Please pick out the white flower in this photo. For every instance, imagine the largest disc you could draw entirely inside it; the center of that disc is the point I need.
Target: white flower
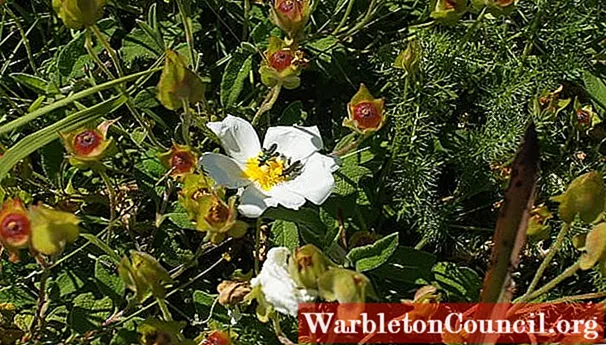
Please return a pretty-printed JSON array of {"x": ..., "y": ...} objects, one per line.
[
  {"x": 279, "y": 289},
  {"x": 286, "y": 170}
]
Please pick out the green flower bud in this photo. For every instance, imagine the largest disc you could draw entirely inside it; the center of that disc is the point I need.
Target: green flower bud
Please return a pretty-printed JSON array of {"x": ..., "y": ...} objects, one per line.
[
  {"x": 281, "y": 65},
  {"x": 144, "y": 275},
  {"x": 548, "y": 104},
  {"x": 307, "y": 265},
  {"x": 409, "y": 58},
  {"x": 595, "y": 249},
  {"x": 157, "y": 332},
  {"x": 537, "y": 227},
  {"x": 218, "y": 219},
  {"x": 52, "y": 230},
  {"x": 585, "y": 196},
  {"x": 344, "y": 286},
  {"x": 178, "y": 84},
  {"x": 88, "y": 146},
  {"x": 291, "y": 15},
  {"x": 77, "y": 14},
  {"x": 585, "y": 117},
  {"x": 447, "y": 11},
  {"x": 366, "y": 113}
]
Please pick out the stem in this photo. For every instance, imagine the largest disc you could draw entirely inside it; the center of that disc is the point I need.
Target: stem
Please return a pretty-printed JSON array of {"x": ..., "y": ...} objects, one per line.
[
  {"x": 164, "y": 309},
  {"x": 28, "y": 49},
  {"x": 268, "y": 103},
  {"x": 112, "y": 202},
  {"x": 186, "y": 122},
  {"x": 189, "y": 36},
  {"x": 88, "y": 44},
  {"x": 570, "y": 271},
  {"x": 345, "y": 16},
  {"x": 246, "y": 19},
  {"x": 38, "y": 322},
  {"x": 258, "y": 247},
  {"x": 112, "y": 53},
  {"x": 550, "y": 255}
]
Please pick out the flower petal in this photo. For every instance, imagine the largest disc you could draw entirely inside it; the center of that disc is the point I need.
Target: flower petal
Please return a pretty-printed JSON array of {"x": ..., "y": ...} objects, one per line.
[
  {"x": 296, "y": 143},
  {"x": 224, "y": 170},
  {"x": 286, "y": 197},
  {"x": 253, "y": 202},
  {"x": 238, "y": 138},
  {"x": 315, "y": 182}
]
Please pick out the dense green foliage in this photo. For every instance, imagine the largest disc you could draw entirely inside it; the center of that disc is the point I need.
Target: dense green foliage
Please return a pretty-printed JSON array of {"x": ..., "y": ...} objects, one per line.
[{"x": 425, "y": 189}]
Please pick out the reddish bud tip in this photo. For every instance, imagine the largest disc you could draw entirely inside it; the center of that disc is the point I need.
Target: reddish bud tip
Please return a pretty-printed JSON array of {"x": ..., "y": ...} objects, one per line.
[
  {"x": 217, "y": 338},
  {"x": 182, "y": 162},
  {"x": 87, "y": 141},
  {"x": 286, "y": 7},
  {"x": 583, "y": 117},
  {"x": 281, "y": 60},
  {"x": 15, "y": 226},
  {"x": 367, "y": 115}
]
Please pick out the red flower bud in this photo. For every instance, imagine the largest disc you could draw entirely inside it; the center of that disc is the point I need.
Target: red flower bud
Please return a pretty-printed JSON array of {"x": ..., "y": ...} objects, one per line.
[
  {"x": 281, "y": 60},
  {"x": 180, "y": 159},
  {"x": 15, "y": 226},
  {"x": 365, "y": 112},
  {"x": 217, "y": 338},
  {"x": 87, "y": 141},
  {"x": 367, "y": 115}
]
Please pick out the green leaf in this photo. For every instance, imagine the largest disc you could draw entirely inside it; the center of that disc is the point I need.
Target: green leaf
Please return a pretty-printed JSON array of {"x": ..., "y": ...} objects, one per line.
[
  {"x": 73, "y": 57},
  {"x": 17, "y": 295},
  {"x": 68, "y": 283},
  {"x": 372, "y": 256},
  {"x": 285, "y": 234},
  {"x": 104, "y": 247},
  {"x": 50, "y": 133},
  {"x": 108, "y": 281},
  {"x": 23, "y": 120},
  {"x": 36, "y": 84},
  {"x": 407, "y": 265},
  {"x": 310, "y": 225},
  {"x": 293, "y": 114},
  {"x": 351, "y": 172},
  {"x": 51, "y": 157},
  {"x": 461, "y": 284},
  {"x": 139, "y": 45},
  {"x": 235, "y": 75},
  {"x": 596, "y": 89},
  {"x": 88, "y": 313}
]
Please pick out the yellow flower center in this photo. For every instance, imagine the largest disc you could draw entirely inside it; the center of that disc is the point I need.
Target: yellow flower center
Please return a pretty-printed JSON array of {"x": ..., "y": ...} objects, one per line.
[{"x": 267, "y": 172}]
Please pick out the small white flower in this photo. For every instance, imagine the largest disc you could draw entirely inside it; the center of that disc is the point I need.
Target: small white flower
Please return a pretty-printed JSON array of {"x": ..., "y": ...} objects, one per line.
[
  {"x": 279, "y": 289},
  {"x": 286, "y": 170}
]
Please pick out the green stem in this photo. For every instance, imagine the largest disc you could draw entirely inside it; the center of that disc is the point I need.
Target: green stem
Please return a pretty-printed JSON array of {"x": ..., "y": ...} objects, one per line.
[
  {"x": 569, "y": 272},
  {"x": 186, "y": 123},
  {"x": 189, "y": 36},
  {"x": 38, "y": 322},
  {"x": 258, "y": 247},
  {"x": 88, "y": 44},
  {"x": 28, "y": 49},
  {"x": 345, "y": 17},
  {"x": 246, "y": 20},
  {"x": 164, "y": 309},
  {"x": 472, "y": 30},
  {"x": 112, "y": 53},
  {"x": 550, "y": 255},
  {"x": 268, "y": 103},
  {"x": 112, "y": 202}
]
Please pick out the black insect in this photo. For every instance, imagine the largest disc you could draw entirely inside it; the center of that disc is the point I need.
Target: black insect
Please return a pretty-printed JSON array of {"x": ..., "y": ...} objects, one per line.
[
  {"x": 268, "y": 154},
  {"x": 293, "y": 169}
]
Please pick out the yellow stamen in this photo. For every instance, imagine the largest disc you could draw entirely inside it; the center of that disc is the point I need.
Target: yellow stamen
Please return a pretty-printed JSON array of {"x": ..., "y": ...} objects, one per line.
[{"x": 266, "y": 175}]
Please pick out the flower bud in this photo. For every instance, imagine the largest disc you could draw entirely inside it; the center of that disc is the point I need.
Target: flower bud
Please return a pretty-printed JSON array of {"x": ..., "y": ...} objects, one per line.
[
  {"x": 281, "y": 64},
  {"x": 52, "y": 230},
  {"x": 158, "y": 332},
  {"x": 178, "y": 84},
  {"x": 365, "y": 112},
  {"x": 180, "y": 159},
  {"x": 548, "y": 104},
  {"x": 495, "y": 7},
  {"x": 585, "y": 196},
  {"x": 344, "y": 286},
  {"x": 76, "y": 14},
  {"x": 218, "y": 219},
  {"x": 447, "y": 11},
  {"x": 88, "y": 146},
  {"x": 216, "y": 337},
  {"x": 307, "y": 265},
  {"x": 196, "y": 187},
  {"x": 595, "y": 248},
  {"x": 537, "y": 227},
  {"x": 409, "y": 58},
  {"x": 585, "y": 117},
  {"x": 15, "y": 226},
  {"x": 144, "y": 275},
  {"x": 291, "y": 15}
]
